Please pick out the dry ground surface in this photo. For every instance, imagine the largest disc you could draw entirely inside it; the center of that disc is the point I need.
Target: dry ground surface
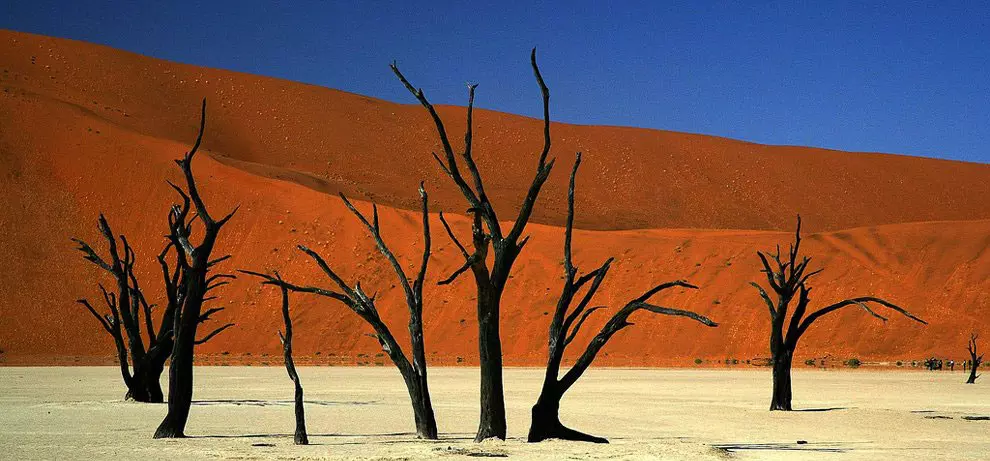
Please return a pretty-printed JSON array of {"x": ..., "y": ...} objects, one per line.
[{"x": 362, "y": 413}]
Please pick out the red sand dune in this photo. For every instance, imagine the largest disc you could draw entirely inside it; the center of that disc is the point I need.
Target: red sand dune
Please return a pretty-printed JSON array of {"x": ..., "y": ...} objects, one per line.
[{"x": 86, "y": 128}]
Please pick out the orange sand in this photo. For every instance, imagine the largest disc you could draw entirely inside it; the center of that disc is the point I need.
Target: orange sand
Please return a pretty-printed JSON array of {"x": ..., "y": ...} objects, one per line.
[{"x": 86, "y": 128}]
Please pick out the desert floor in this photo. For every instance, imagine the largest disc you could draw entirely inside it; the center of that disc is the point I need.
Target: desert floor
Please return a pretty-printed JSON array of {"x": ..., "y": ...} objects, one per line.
[{"x": 246, "y": 412}]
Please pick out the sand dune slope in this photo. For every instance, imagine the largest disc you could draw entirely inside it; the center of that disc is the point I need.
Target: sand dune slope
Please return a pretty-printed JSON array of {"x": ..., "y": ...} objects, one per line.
[
  {"x": 634, "y": 178},
  {"x": 64, "y": 159}
]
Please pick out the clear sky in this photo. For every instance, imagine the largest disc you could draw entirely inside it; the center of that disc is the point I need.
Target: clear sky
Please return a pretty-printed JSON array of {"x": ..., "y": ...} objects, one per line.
[{"x": 905, "y": 77}]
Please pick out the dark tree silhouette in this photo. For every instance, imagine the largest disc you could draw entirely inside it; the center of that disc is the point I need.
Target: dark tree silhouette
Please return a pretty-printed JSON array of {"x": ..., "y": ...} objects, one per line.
[
  {"x": 566, "y": 324},
  {"x": 487, "y": 234},
  {"x": 127, "y": 304},
  {"x": 413, "y": 372},
  {"x": 189, "y": 288},
  {"x": 974, "y": 359},
  {"x": 300, "y": 437},
  {"x": 788, "y": 280}
]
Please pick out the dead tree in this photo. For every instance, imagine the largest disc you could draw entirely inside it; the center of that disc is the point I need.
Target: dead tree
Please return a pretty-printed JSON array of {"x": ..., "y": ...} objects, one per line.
[
  {"x": 974, "y": 359},
  {"x": 566, "y": 324},
  {"x": 190, "y": 287},
  {"x": 413, "y": 371},
  {"x": 487, "y": 234},
  {"x": 300, "y": 437},
  {"x": 788, "y": 280},
  {"x": 126, "y": 305}
]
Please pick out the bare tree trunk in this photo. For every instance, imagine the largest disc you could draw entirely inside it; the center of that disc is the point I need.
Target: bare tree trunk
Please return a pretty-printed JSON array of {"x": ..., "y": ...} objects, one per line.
[
  {"x": 180, "y": 370},
  {"x": 419, "y": 395},
  {"x": 492, "y": 418},
  {"x": 419, "y": 391},
  {"x": 546, "y": 423},
  {"x": 145, "y": 386},
  {"x": 972, "y": 376},
  {"x": 299, "y": 437},
  {"x": 146, "y": 383},
  {"x": 781, "y": 399}
]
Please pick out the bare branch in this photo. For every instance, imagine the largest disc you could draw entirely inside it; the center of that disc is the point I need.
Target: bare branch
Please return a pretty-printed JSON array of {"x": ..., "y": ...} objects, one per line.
[
  {"x": 90, "y": 255},
  {"x": 858, "y": 302},
  {"x": 206, "y": 315},
  {"x": 327, "y": 270},
  {"x": 103, "y": 321},
  {"x": 577, "y": 326},
  {"x": 766, "y": 299},
  {"x": 663, "y": 286},
  {"x": 543, "y": 169},
  {"x": 270, "y": 280},
  {"x": 216, "y": 277},
  {"x": 460, "y": 270},
  {"x": 454, "y": 237},
  {"x": 427, "y": 244},
  {"x": 213, "y": 333},
  {"x": 216, "y": 285},
  {"x": 375, "y": 230},
  {"x": 218, "y": 260},
  {"x": 451, "y": 165},
  {"x": 676, "y": 312}
]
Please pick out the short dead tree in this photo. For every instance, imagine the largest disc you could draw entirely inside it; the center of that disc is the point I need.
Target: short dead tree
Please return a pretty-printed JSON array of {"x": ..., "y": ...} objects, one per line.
[
  {"x": 300, "y": 437},
  {"x": 123, "y": 323},
  {"x": 788, "y": 280},
  {"x": 487, "y": 235},
  {"x": 566, "y": 324},
  {"x": 413, "y": 371},
  {"x": 975, "y": 359},
  {"x": 190, "y": 288}
]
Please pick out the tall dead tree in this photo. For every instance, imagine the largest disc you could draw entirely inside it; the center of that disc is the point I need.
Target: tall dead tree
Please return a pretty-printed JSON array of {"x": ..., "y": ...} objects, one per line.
[
  {"x": 566, "y": 324},
  {"x": 487, "y": 234},
  {"x": 191, "y": 288},
  {"x": 413, "y": 371},
  {"x": 975, "y": 359},
  {"x": 788, "y": 280}
]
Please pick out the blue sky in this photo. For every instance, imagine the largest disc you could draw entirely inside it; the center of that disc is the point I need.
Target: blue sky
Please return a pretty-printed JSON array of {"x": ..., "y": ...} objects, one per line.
[{"x": 903, "y": 77}]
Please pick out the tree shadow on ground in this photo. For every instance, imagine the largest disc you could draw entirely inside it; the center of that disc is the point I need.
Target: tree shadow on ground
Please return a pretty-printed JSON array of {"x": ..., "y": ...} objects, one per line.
[
  {"x": 265, "y": 403},
  {"x": 821, "y": 409},
  {"x": 818, "y": 447},
  {"x": 393, "y": 437}
]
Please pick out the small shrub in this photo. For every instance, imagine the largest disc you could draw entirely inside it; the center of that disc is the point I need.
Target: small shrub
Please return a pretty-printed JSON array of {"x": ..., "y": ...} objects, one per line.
[
  {"x": 698, "y": 361},
  {"x": 900, "y": 364},
  {"x": 852, "y": 363},
  {"x": 810, "y": 362}
]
